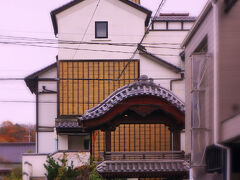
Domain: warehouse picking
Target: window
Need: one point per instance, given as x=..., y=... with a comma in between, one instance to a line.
x=101, y=29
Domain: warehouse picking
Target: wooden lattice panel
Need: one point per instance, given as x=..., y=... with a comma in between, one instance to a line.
x=84, y=84
x=134, y=138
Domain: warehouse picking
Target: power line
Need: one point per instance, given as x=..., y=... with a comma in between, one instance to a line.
x=87, y=79
x=54, y=41
x=147, y=30
x=88, y=43
x=87, y=26
x=83, y=49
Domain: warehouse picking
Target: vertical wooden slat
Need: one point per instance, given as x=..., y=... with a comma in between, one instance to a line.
x=83, y=76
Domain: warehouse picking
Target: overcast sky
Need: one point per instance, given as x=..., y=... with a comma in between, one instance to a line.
x=31, y=18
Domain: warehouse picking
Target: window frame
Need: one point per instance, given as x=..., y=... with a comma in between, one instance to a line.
x=101, y=37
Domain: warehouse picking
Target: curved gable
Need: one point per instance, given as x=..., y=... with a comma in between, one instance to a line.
x=145, y=93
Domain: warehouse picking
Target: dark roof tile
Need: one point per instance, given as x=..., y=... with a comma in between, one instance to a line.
x=175, y=18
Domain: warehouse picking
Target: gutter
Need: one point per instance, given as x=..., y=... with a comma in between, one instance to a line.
x=175, y=80
x=37, y=119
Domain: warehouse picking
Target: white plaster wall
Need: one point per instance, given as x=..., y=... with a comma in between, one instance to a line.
x=182, y=141
x=178, y=88
x=187, y=25
x=125, y=24
x=62, y=142
x=169, y=45
x=37, y=169
x=159, y=25
x=153, y=69
x=46, y=142
x=174, y=25
x=47, y=109
x=52, y=73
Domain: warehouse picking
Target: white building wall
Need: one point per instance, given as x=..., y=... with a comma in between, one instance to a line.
x=32, y=164
x=47, y=142
x=174, y=25
x=47, y=113
x=160, y=25
x=125, y=24
x=47, y=110
x=62, y=142
x=161, y=75
x=168, y=47
x=187, y=25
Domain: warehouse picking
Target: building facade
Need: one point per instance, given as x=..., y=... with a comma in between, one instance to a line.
x=115, y=91
x=212, y=99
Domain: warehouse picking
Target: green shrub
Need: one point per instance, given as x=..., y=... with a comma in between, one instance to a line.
x=56, y=171
x=16, y=174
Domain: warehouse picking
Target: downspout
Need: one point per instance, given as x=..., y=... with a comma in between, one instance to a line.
x=37, y=113
x=178, y=79
x=216, y=125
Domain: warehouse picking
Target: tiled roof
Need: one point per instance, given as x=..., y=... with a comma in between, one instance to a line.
x=175, y=18
x=143, y=166
x=143, y=86
x=65, y=123
x=12, y=152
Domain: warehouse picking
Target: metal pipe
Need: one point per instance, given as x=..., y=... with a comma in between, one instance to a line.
x=178, y=79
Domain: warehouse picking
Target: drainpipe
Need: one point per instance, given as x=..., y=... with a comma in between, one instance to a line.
x=178, y=79
x=37, y=117
x=216, y=125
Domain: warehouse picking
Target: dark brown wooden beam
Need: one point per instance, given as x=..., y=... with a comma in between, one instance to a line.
x=176, y=140
x=108, y=141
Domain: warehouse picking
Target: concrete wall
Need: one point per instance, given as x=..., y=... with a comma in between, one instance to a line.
x=32, y=165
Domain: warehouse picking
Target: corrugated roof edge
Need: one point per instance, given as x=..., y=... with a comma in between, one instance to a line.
x=198, y=22
x=54, y=12
x=31, y=79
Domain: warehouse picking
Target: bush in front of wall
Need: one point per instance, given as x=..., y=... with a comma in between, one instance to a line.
x=16, y=174
x=60, y=171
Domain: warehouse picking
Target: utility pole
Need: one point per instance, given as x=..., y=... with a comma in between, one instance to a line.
x=29, y=134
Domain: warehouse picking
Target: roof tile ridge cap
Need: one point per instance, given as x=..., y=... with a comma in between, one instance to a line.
x=170, y=92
